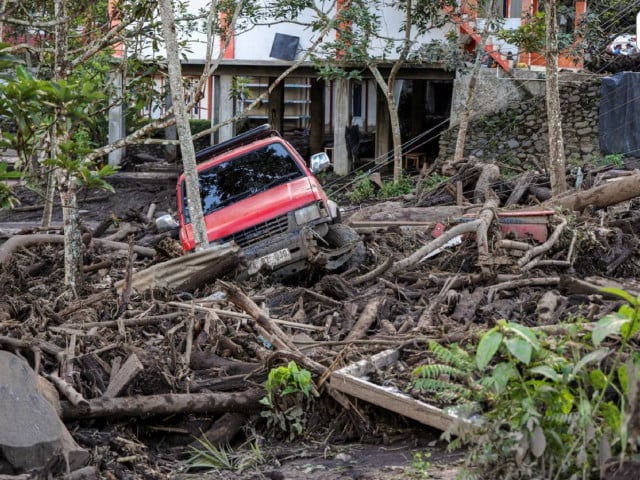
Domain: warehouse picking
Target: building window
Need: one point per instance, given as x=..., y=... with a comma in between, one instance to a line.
x=515, y=9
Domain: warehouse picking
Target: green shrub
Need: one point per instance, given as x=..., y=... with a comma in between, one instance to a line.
x=615, y=159
x=542, y=406
x=207, y=456
x=363, y=191
x=287, y=390
x=433, y=181
x=393, y=189
x=199, y=125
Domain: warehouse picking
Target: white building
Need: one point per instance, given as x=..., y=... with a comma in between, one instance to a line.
x=305, y=107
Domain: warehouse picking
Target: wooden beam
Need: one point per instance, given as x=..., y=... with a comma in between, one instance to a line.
x=347, y=380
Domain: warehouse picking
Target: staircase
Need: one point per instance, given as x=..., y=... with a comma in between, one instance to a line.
x=468, y=29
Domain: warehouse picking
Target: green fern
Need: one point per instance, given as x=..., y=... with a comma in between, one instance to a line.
x=450, y=380
x=454, y=355
x=441, y=386
x=436, y=370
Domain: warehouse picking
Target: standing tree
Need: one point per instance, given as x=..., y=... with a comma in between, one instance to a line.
x=467, y=110
x=557, y=160
x=182, y=123
x=360, y=28
x=541, y=33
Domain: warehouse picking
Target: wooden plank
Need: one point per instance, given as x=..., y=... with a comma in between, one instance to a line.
x=389, y=223
x=346, y=380
x=459, y=193
x=379, y=360
x=391, y=400
x=520, y=188
x=123, y=376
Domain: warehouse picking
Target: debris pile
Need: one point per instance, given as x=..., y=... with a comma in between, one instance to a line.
x=155, y=349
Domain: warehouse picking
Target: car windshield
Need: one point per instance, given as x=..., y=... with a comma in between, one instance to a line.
x=242, y=177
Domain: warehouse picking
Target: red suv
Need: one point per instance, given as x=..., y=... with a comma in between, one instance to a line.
x=257, y=191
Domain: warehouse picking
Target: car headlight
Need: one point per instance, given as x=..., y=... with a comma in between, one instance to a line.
x=307, y=214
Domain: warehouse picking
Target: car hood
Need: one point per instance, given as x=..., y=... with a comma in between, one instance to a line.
x=258, y=208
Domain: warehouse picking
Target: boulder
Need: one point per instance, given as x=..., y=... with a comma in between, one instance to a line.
x=32, y=436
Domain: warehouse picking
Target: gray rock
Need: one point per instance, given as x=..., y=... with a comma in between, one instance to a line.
x=30, y=430
x=587, y=148
x=32, y=435
x=513, y=144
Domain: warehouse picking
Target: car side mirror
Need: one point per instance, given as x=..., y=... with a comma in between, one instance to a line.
x=319, y=162
x=166, y=222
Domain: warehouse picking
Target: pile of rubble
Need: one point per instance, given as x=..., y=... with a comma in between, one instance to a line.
x=164, y=346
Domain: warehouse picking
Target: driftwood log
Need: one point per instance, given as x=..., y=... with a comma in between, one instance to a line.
x=9, y=247
x=224, y=429
x=479, y=226
x=167, y=404
x=274, y=333
x=367, y=318
x=611, y=193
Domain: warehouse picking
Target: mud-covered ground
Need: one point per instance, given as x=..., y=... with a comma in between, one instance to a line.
x=372, y=444
x=180, y=337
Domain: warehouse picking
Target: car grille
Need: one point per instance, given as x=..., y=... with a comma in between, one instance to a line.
x=259, y=232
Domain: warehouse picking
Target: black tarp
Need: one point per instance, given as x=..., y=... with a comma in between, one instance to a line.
x=619, y=119
x=284, y=46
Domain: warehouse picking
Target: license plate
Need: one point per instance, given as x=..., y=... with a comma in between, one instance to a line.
x=271, y=260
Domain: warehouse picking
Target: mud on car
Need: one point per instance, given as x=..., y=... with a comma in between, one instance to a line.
x=257, y=191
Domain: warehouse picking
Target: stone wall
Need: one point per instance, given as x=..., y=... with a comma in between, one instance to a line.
x=517, y=133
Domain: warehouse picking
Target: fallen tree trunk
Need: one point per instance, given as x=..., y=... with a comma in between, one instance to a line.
x=188, y=272
x=209, y=360
x=479, y=226
x=223, y=430
x=521, y=186
x=277, y=337
x=611, y=193
x=9, y=247
x=395, y=213
x=489, y=175
x=167, y=404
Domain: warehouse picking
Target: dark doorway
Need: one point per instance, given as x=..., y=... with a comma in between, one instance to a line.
x=424, y=109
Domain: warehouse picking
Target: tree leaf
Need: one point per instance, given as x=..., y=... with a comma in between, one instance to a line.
x=487, y=347
x=623, y=378
x=604, y=451
x=612, y=415
x=620, y=293
x=538, y=442
x=502, y=373
x=595, y=356
x=598, y=379
x=520, y=348
x=567, y=401
x=546, y=371
x=608, y=325
x=523, y=332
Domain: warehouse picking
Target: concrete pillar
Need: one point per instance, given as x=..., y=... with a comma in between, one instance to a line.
x=117, y=127
x=342, y=113
x=276, y=106
x=383, y=126
x=223, y=108
x=316, y=111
